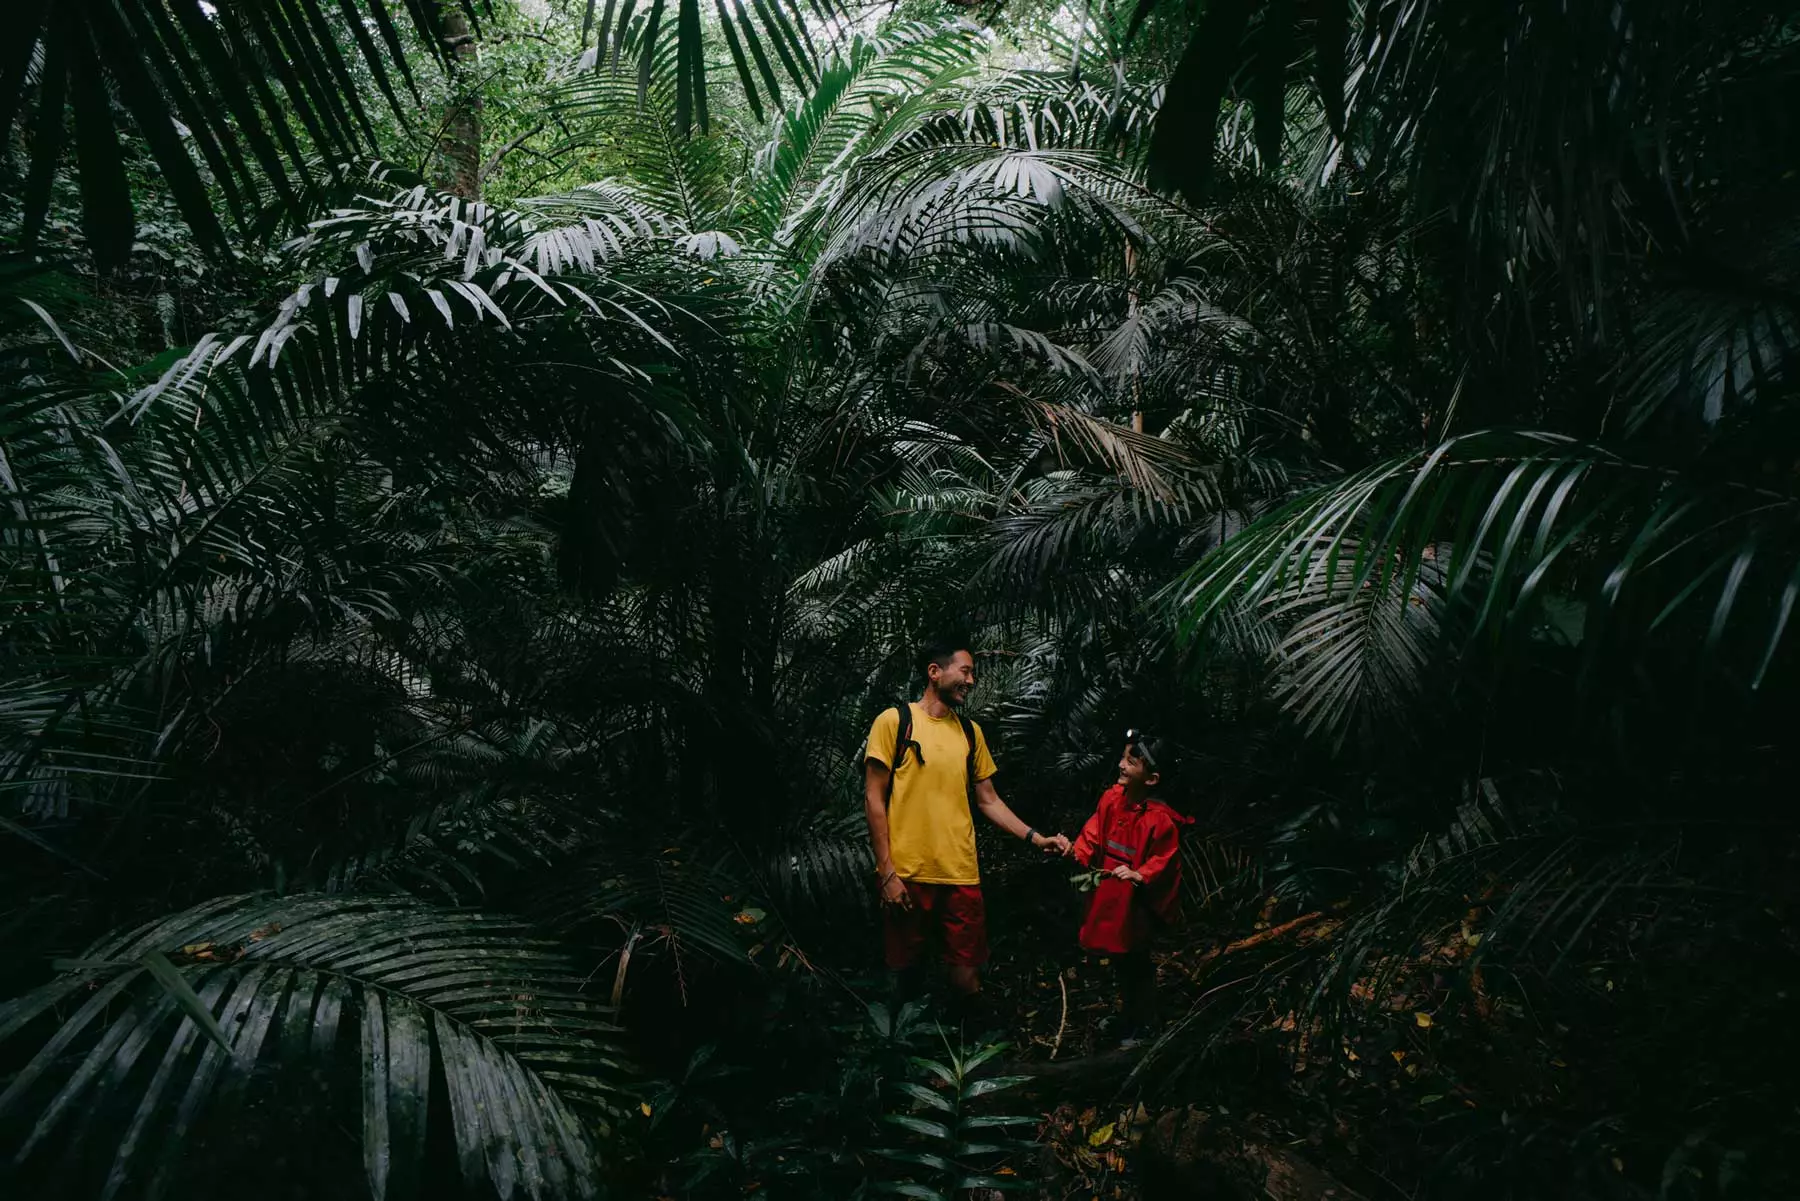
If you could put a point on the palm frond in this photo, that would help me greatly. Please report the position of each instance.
(1720, 332)
(1510, 518)
(684, 900)
(1148, 463)
(472, 1001)
(846, 116)
(1355, 652)
(952, 1143)
(686, 178)
(188, 74)
(655, 35)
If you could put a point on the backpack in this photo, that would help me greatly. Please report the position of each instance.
(904, 741)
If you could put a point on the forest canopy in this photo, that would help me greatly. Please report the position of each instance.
(471, 474)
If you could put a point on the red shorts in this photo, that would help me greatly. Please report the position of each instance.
(955, 911)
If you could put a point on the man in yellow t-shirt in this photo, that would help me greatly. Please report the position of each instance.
(917, 798)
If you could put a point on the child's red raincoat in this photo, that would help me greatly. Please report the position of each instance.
(1145, 837)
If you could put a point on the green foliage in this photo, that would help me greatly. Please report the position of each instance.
(181, 71)
(263, 94)
(1422, 473)
(953, 1144)
(1486, 526)
(466, 1000)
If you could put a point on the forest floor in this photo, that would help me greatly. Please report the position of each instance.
(1110, 1130)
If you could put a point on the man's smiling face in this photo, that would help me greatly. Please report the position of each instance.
(954, 681)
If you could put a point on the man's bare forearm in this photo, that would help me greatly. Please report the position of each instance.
(875, 810)
(1001, 814)
(998, 811)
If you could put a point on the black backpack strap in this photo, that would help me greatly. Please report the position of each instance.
(903, 741)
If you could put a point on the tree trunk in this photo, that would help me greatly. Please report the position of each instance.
(459, 157)
(1131, 301)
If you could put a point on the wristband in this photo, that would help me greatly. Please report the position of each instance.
(1030, 834)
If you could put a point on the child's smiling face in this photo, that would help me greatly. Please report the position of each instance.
(1134, 772)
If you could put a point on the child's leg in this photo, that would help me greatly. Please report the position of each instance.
(1137, 985)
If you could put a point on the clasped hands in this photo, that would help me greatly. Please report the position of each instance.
(893, 889)
(1058, 844)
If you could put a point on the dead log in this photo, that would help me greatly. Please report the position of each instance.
(1190, 1155)
(1050, 1080)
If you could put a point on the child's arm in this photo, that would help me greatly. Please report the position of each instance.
(1089, 842)
(1162, 854)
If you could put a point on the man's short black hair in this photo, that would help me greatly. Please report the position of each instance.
(940, 650)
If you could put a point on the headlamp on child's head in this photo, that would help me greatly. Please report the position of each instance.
(1135, 743)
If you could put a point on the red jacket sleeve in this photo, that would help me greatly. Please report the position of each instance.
(1162, 849)
(1161, 866)
(1095, 829)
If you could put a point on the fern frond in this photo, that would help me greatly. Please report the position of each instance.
(526, 1060)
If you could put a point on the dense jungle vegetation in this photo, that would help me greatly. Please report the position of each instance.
(470, 474)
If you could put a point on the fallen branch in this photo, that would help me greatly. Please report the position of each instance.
(493, 164)
(1082, 1072)
(1263, 936)
(1189, 1153)
(1205, 961)
(1063, 1022)
(618, 988)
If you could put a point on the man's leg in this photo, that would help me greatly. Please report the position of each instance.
(968, 1009)
(903, 938)
(907, 983)
(964, 924)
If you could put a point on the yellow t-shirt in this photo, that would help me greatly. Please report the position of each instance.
(931, 834)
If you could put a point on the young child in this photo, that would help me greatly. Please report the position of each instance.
(1135, 841)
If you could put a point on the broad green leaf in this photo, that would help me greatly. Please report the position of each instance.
(992, 1084)
(923, 1159)
(935, 1130)
(990, 1121)
(926, 1096)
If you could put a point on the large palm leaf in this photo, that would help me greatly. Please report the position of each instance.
(780, 41)
(875, 89)
(1496, 523)
(1351, 653)
(249, 84)
(527, 1060)
(1250, 47)
(263, 91)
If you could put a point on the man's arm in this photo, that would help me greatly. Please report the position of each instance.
(996, 811)
(875, 778)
